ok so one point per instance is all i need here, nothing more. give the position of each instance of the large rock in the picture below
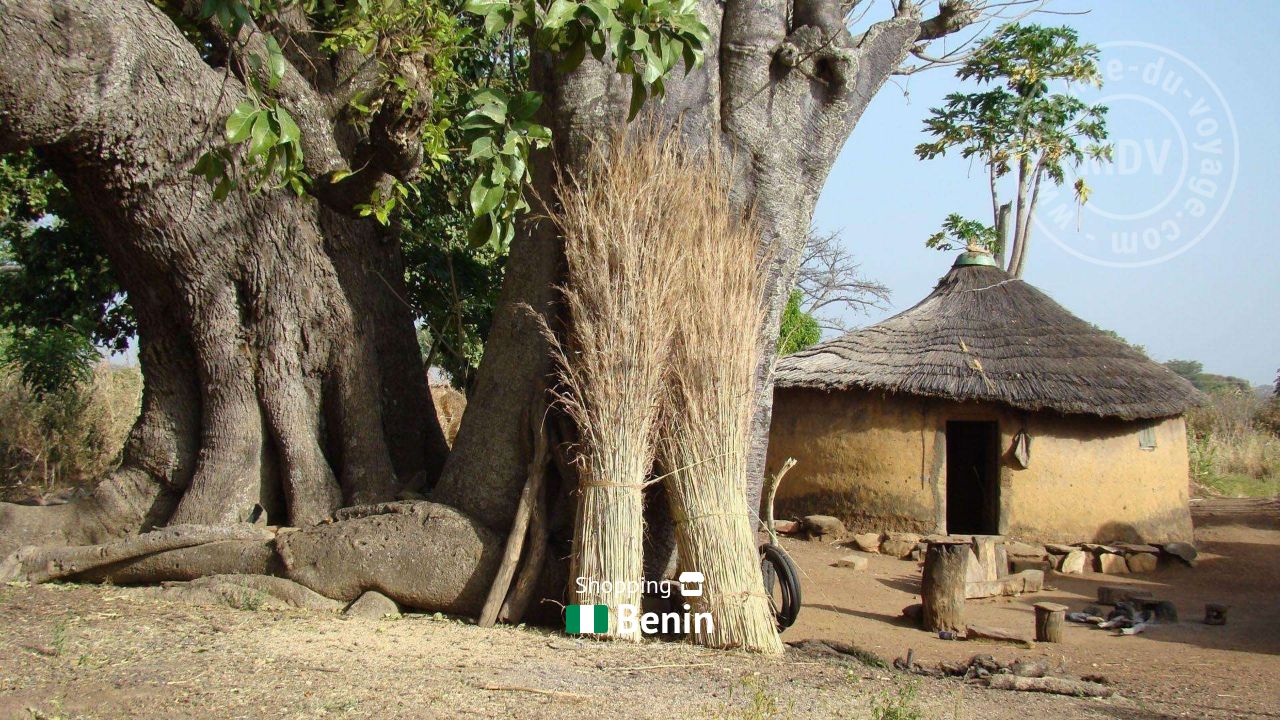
(1111, 564)
(853, 562)
(897, 548)
(1186, 552)
(1016, 548)
(823, 526)
(867, 542)
(373, 605)
(1142, 562)
(1073, 562)
(1059, 549)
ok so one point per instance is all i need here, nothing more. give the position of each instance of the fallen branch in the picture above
(1050, 685)
(771, 491)
(536, 691)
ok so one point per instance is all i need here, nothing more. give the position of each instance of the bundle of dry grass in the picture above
(614, 218)
(718, 311)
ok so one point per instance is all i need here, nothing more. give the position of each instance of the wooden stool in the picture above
(1050, 618)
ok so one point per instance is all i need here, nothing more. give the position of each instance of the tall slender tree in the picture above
(1020, 128)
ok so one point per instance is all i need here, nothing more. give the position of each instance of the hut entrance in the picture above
(973, 478)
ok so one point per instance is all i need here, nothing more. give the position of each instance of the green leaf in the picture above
(560, 12)
(275, 62)
(240, 121)
(222, 189)
(289, 132)
(484, 196)
(525, 105)
(340, 175)
(480, 230)
(637, 97)
(573, 57)
(482, 148)
(262, 138)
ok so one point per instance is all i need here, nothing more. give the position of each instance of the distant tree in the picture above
(831, 282)
(798, 329)
(1194, 373)
(1276, 392)
(1019, 127)
(1187, 369)
(59, 299)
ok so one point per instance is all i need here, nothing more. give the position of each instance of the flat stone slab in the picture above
(853, 562)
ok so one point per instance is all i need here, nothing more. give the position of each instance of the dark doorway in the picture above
(973, 478)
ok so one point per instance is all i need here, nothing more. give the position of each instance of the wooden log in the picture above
(943, 587)
(1050, 618)
(984, 632)
(1051, 685)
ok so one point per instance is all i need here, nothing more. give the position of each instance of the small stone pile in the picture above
(1068, 559)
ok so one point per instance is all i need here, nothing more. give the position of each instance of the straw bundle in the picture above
(718, 315)
(614, 218)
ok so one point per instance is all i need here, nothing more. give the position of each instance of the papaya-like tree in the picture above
(236, 156)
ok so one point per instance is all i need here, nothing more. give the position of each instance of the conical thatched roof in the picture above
(983, 335)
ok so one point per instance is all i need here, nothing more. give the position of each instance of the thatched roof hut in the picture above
(984, 336)
(885, 416)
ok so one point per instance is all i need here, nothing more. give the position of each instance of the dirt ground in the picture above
(74, 651)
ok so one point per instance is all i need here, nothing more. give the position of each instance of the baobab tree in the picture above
(282, 374)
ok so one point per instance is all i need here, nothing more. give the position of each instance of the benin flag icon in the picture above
(579, 619)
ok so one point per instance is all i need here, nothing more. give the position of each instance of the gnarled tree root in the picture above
(422, 555)
(43, 563)
(248, 592)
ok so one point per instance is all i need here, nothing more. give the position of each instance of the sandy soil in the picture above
(69, 651)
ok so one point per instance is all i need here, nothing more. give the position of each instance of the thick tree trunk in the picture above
(280, 366)
(778, 94)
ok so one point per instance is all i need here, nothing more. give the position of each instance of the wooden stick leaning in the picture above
(520, 526)
(771, 491)
(530, 571)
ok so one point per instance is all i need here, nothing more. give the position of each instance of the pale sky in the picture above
(1168, 253)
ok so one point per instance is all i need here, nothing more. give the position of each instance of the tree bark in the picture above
(280, 365)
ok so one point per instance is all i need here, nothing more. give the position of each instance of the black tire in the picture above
(778, 568)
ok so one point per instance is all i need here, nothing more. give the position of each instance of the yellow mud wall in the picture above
(860, 458)
(878, 462)
(1090, 480)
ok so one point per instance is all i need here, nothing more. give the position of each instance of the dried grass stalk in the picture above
(718, 314)
(614, 218)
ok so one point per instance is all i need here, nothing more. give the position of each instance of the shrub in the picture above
(68, 438)
(1233, 444)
